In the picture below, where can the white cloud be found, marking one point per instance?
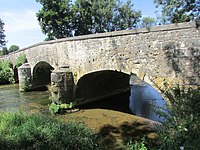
(25, 20)
(21, 28)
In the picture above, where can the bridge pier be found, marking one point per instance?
(62, 85)
(24, 73)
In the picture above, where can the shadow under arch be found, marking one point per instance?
(106, 89)
(16, 77)
(41, 75)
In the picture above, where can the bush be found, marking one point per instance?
(137, 145)
(6, 73)
(21, 60)
(60, 108)
(20, 131)
(182, 126)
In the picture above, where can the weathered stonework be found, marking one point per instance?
(169, 52)
(24, 73)
(62, 86)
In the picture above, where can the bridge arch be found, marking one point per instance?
(116, 90)
(100, 84)
(41, 74)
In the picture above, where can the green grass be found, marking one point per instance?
(21, 131)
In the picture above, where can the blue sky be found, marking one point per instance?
(21, 25)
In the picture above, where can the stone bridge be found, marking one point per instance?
(169, 53)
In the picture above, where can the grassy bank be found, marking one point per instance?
(21, 131)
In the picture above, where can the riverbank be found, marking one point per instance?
(115, 128)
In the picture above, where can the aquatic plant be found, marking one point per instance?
(60, 108)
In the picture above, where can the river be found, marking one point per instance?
(13, 100)
(141, 100)
(147, 102)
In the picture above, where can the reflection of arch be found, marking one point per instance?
(146, 100)
(41, 74)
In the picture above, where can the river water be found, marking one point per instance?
(141, 100)
(147, 102)
(13, 100)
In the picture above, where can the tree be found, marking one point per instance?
(179, 10)
(148, 22)
(55, 18)
(13, 48)
(2, 35)
(104, 12)
(4, 51)
(83, 17)
(97, 16)
(126, 16)
(60, 17)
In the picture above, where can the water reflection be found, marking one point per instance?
(142, 100)
(145, 100)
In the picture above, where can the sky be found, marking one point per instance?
(21, 25)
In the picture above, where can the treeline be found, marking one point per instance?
(63, 18)
(5, 50)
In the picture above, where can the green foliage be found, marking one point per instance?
(13, 48)
(179, 10)
(21, 60)
(125, 16)
(54, 108)
(148, 22)
(59, 18)
(67, 106)
(55, 18)
(181, 127)
(137, 145)
(83, 12)
(21, 131)
(60, 108)
(6, 73)
(4, 51)
(2, 35)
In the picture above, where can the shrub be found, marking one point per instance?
(137, 145)
(20, 131)
(60, 108)
(6, 73)
(21, 60)
(181, 127)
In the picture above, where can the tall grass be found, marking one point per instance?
(21, 131)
